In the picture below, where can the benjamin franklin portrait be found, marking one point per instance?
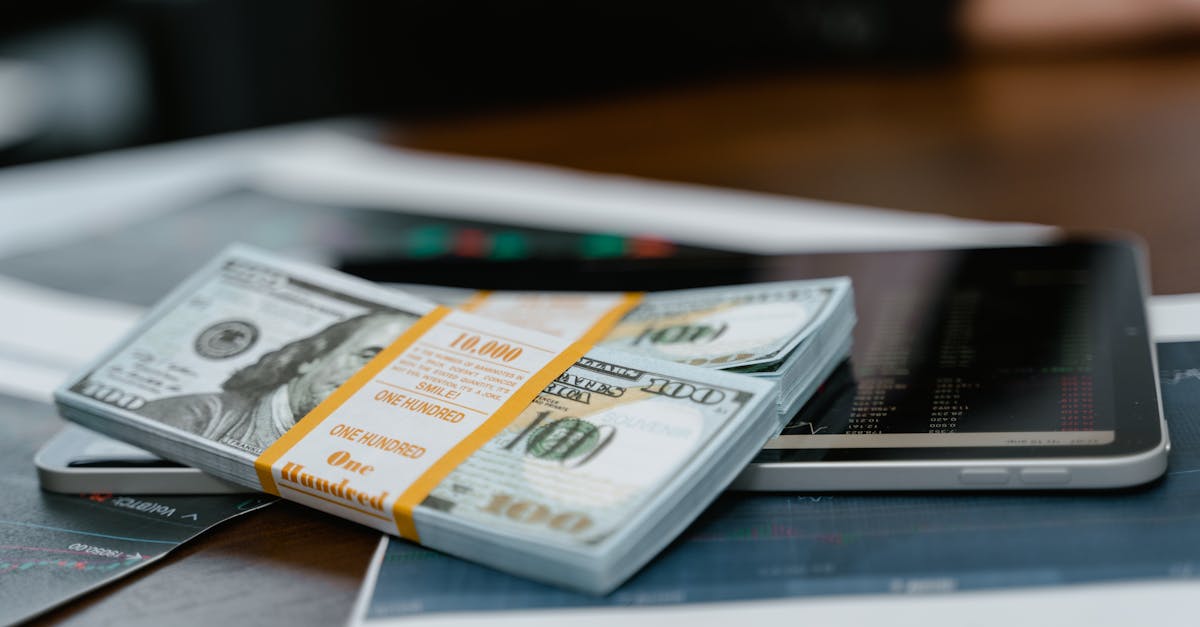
(259, 403)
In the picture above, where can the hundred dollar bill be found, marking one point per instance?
(744, 328)
(593, 448)
(610, 461)
(245, 350)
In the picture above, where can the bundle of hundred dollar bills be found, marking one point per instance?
(546, 457)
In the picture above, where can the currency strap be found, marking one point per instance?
(376, 446)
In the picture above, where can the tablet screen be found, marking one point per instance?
(1002, 352)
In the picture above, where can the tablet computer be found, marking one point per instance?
(1004, 368)
(997, 368)
(1009, 368)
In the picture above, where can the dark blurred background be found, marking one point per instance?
(91, 74)
(1080, 113)
(107, 73)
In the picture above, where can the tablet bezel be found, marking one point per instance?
(1116, 271)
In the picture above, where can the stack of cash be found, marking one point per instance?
(791, 333)
(606, 465)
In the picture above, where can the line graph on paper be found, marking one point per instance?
(54, 547)
(1177, 376)
(781, 545)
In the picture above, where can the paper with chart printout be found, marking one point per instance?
(55, 547)
(784, 546)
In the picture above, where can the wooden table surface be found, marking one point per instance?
(1091, 144)
(1085, 143)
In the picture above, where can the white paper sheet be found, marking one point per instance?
(333, 168)
(46, 334)
(1175, 318)
(45, 204)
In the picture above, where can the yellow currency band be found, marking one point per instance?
(313, 419)
(476, 300)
